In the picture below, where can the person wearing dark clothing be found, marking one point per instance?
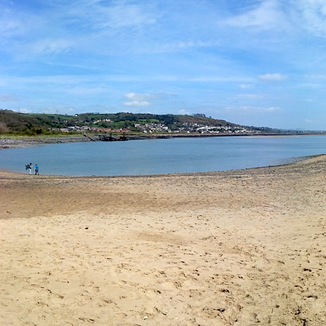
(29, 167)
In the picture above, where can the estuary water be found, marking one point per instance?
(161, 156)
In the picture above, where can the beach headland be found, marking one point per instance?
(26, 141)
(234, 248)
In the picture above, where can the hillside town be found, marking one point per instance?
(130, 125)
(160, 128)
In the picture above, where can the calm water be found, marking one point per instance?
(164, 156)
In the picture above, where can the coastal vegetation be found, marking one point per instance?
(31, 124)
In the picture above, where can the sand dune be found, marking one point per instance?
(237, 248)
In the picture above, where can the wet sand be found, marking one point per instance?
(236, 248)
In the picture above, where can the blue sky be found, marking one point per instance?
(252, 62)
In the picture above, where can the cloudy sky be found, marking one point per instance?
(253, 62)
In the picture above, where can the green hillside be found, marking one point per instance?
(32, 124)
(16, 123)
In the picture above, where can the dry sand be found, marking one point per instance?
(237, 248)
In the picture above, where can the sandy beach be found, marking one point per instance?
(236, 248)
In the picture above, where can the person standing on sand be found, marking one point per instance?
(29, 168)
(36, 170)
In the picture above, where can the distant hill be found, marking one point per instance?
(12, 122)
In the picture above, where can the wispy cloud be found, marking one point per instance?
(252, 110)
(276, 77)
(98, 15)
(267, 15)
(145, 99)
(138, 100)
(126, 16)
(321, 77)
(217, 79)
(52, 46)
(178, 46)
(9, 27)
(313, 14)
(246, 86)
(16, 29)
(10, 24)
(254, 97)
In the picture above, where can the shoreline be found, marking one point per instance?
(232, 248)
(26, 141)
(291, 161)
